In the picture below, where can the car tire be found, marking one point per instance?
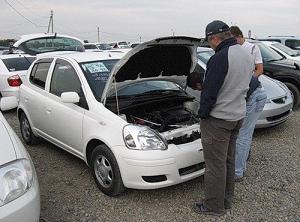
(26, 131)
(106, 172)
(296, 93)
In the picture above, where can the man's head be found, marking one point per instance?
(216, 32)
(237, 34)
(194, 80)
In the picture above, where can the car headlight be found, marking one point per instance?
(138, 137)
(15, 179)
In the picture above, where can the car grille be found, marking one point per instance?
(273, 118)
(154, 179)
(191, 169)
(280, 100)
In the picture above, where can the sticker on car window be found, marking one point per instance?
(96, 67)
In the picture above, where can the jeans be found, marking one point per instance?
(255, 105)
(218, 139)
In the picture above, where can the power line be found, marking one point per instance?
(23, 15)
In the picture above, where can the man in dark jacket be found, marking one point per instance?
(222, 109)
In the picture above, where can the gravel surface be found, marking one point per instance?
(270, 191)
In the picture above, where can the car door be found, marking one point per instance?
(65, 119)
(34, 96)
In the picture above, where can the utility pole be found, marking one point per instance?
(50, 22)
(98, 34)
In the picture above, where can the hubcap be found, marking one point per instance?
(103, 171)
(25, 129)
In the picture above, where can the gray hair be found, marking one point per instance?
(223, 35)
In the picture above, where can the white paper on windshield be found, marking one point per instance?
(96, 67)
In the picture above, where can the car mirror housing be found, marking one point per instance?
(69, 97)
(7, 103)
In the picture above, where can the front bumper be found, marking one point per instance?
(160, 168)
(274, 114)
(25, 208)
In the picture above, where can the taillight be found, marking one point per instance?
(14, 80)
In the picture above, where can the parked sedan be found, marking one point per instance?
(119, 113)
(279, 100)
(13, 68)
(19, 189)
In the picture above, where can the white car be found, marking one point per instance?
(283, 50)
(13, 68)
(292, 42)
(19, 189)
(279, 99)
(37, 43)
(130, 124)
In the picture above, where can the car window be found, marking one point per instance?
(147, 86)
(64, 79)
(50, 44)
(18, 64)
(91, 46)
(293, 43)
(97, 74)
(268, 54)
(205, 56)
(39, 74)
(285, 49)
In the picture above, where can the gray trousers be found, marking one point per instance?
(218, 140)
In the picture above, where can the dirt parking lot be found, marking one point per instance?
(270, 192)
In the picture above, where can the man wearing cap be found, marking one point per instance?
(222, 109)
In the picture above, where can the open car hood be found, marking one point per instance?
(168, 57)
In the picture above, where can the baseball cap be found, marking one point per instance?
(215, 27)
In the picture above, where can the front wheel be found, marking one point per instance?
(26, 131)
(106, 171)
(296, 93)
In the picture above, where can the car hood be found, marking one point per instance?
(7, 151)
(272, 88)
(167, 57)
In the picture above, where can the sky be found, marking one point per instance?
(135, 20)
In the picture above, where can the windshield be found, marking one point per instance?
(268, 54)
(285, 49)
(293, 43)
(50, 44)
(97, 74)
(148, 87)
(18, 64)
(104, 46)
(205, 56)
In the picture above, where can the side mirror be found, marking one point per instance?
(7, 103)
(69, 97)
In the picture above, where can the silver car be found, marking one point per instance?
(19, 189)
(279, 99)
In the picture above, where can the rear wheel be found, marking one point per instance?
(26, 131)
(106, 171)
(296, 93)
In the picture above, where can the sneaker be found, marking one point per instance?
(199, 208)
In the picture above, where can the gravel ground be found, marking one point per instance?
(270, 192)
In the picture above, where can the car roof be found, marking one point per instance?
(204, 49)
(84, 56)
(9, 56)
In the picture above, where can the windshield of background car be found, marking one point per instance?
(285, 49)
(18, 64)
(104, 46)
(293, 43)
(268, 54)
(205, 56)
(97, 74)
(149, 87)
(51, 44)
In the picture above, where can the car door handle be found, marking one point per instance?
(48, 111)
(26, 99)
